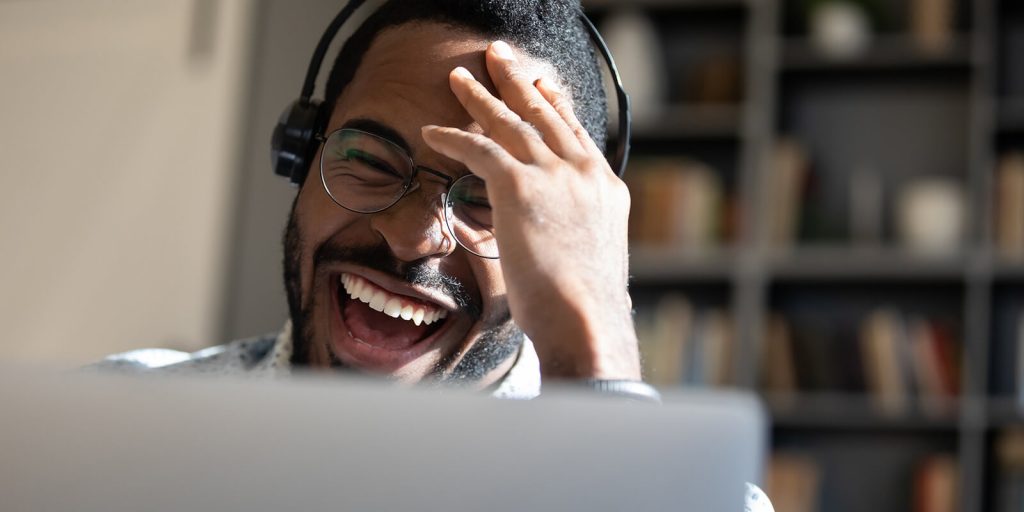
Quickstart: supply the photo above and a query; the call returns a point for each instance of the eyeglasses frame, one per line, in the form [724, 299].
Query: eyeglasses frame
[409, 185]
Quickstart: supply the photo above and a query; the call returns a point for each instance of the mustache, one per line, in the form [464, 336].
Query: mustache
[420, 273]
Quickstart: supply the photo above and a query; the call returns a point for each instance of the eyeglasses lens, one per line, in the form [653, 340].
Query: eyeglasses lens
[368, 174]
[468, 212]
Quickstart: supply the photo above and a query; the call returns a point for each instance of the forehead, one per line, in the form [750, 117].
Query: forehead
[402, 81]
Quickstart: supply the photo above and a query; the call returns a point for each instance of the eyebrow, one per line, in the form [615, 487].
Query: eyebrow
[390, 134]
[379, 129]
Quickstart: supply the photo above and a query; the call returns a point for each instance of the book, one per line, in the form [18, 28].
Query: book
[947, 350]
[932, 383]
[670, 330]
[1009, 477]
[676, 203]
[793, 482]
[790, 167]
[885, 375]
[778, 372]
[935, 484]
[931, 24]
[1010, 206]
[695, 370]
[1020, 358]
[816, 358]
[718, 348]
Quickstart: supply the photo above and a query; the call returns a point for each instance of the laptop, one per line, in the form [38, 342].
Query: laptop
[84, 442]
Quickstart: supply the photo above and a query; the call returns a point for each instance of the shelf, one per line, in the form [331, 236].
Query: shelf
[695, 121]
[816, 263]
[835, 411]
[1008, 269]
[887, 53]
[1005, 412]
[658, 264]
[1010, 114]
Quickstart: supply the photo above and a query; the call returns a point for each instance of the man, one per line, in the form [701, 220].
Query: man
[459, 222]
[384, 278]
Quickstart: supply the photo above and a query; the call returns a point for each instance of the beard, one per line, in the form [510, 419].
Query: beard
[498, 340]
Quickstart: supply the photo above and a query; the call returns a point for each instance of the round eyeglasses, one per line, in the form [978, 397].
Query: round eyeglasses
[365, 173]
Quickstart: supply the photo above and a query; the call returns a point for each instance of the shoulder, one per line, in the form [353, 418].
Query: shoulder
[234, 357]
[756, 500]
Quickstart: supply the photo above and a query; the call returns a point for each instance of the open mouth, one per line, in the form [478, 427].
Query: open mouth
[382, 329]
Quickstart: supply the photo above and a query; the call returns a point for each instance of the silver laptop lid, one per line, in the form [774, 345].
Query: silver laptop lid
[116, 443]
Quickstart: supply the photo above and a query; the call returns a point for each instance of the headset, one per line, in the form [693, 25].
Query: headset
[300, 127]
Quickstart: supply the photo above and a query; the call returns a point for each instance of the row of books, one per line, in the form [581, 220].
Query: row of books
[789, 187]
[1009, 479]
[794, 481]
[682, 344]
[797, 210]
[1009, 215]
[678, 203]
[1019, 373]
[898, 359]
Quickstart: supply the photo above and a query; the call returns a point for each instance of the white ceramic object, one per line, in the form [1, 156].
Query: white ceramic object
[633, 40]
[931, 215]
[840, 29]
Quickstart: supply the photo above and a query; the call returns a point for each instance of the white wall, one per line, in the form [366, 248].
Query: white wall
[119, 133]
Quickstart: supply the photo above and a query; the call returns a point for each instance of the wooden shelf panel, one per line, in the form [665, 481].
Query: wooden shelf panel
[1010, 114]
[682, 121]
[659, 264]
[816, 263]
[808, 264]
[1005, 412]
[852, 412]
[1008, 269]
[886, 53]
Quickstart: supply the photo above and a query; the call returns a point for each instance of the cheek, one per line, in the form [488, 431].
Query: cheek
[319, 220]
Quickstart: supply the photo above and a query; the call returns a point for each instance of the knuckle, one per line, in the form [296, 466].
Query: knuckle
[595, 163]
[512, 73]
[507, 117]
[563, 104]
[536, 107]
[489, 149]
[527, 131]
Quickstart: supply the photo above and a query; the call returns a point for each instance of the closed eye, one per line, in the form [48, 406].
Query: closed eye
[371, 161]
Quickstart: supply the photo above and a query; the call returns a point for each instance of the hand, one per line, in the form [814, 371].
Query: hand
[560, 218]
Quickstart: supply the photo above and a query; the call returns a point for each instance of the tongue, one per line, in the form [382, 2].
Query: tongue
[380, 330]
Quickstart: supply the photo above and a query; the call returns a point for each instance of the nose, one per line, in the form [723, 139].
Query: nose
[414, 228]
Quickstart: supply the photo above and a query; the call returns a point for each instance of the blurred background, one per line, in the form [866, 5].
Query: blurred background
[828, 210]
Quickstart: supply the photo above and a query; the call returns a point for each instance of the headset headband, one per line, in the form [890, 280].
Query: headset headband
[293, 143]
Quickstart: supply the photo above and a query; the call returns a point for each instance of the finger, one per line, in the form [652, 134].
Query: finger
[479, 153]
[497, 121]
[515, 86]
[562, 103]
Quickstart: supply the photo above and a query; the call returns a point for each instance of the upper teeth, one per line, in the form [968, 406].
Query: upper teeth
[390, 304]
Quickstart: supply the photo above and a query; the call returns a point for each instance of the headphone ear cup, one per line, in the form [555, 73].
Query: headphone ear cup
[293, 143]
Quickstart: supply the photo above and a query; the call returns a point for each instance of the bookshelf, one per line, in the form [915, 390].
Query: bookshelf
[816, 162]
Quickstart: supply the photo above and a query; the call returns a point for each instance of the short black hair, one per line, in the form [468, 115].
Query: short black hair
[548, 30]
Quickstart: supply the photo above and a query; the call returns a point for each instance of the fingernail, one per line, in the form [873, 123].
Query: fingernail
[503, 50]
[548, 84]
[464, 73]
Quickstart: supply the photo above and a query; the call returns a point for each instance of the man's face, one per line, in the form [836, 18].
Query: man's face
[405, 252]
